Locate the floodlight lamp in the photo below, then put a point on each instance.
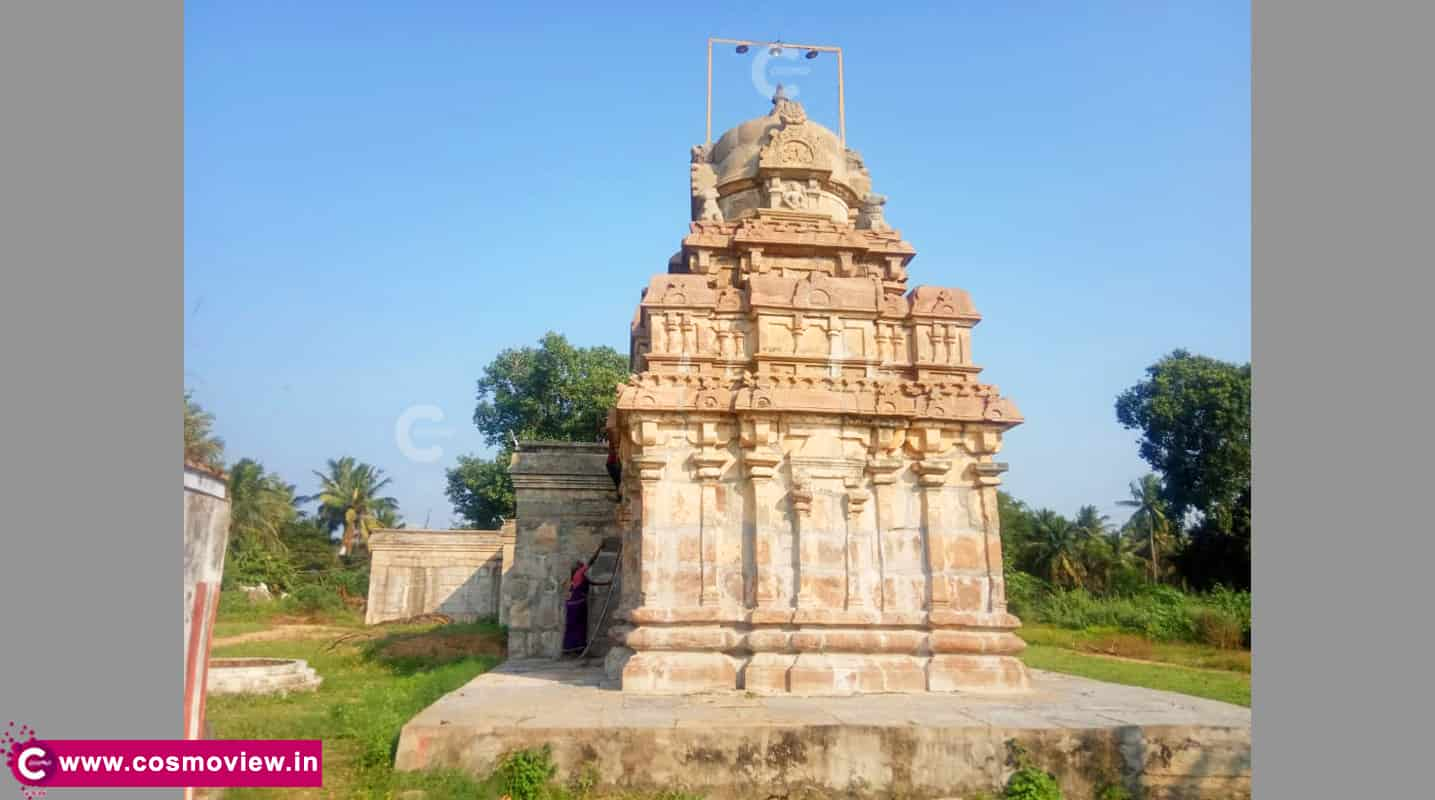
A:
(812, 54)
(742, 48)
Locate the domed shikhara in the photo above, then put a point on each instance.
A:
(782, 160)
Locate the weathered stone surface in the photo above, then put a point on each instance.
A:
(807, 452)
(458, 573)
(261, 676)
(206, 537)
(733, 745)
(566, 509)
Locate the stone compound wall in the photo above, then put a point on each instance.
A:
(566, 508)
(206, 534)
(458, 573)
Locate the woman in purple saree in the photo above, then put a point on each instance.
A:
(575, 629)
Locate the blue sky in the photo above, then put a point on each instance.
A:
(380, 197)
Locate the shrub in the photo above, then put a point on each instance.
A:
(1219, 629)
(1030, 783)
(1163, 613)
(526, 773)
(314, 598)
(1025, 592)
(249, 565)
(1237, 604)
(1113, 791)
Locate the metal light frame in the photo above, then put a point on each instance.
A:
(841, 96)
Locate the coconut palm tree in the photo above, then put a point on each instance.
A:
(389, 518)
(201, 446)
(260, 505)
(1056, 548)
(1090, 522)
(1148, 516)
(349, 498)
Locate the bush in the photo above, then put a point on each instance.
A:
(1113, 791)
(250, 565)
(1237, 604)
(1162, 613)
(526, 773)
(314, 598)
(1024, 592)
(1030, 783)
(1219, 629)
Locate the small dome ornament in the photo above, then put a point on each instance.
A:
(786, 109)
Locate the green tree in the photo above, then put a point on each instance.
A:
(309, 545)
(349, 498)
(1055, 549)
(260, 505)
(1096, 555)
(389, 518)
(201, 446)
(482, 491)
(1015, 518)
(1091, 522)
(1194, 414)
(1149, 518)
(555, 392)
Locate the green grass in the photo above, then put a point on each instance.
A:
(358, 711)
(236, 611)
(225, 628)
(1229, 687)
(1112, 641)
(370, 689)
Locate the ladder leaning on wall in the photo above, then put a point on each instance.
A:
(610, 552)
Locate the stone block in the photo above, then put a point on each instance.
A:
(973, 673)
(679, 673)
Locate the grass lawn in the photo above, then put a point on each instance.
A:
(371, 688)
(226, 628)
(1113, 642)
(1226, 686)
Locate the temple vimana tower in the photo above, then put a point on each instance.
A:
(809, 492)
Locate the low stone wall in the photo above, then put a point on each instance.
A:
(458, 573)
(566, 508)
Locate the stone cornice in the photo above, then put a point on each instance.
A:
(456, 541)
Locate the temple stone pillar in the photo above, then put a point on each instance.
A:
(808, 446)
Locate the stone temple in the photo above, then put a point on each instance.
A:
(808, 510)
(809, 492)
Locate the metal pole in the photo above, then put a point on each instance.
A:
(708, 138)
(841, 88)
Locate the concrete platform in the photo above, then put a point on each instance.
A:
(1158, 745)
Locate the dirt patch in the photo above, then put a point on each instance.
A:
(442, 647)
(1120, 644)
(226, 663)
(282, 632)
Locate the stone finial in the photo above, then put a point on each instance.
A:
(786, 109)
